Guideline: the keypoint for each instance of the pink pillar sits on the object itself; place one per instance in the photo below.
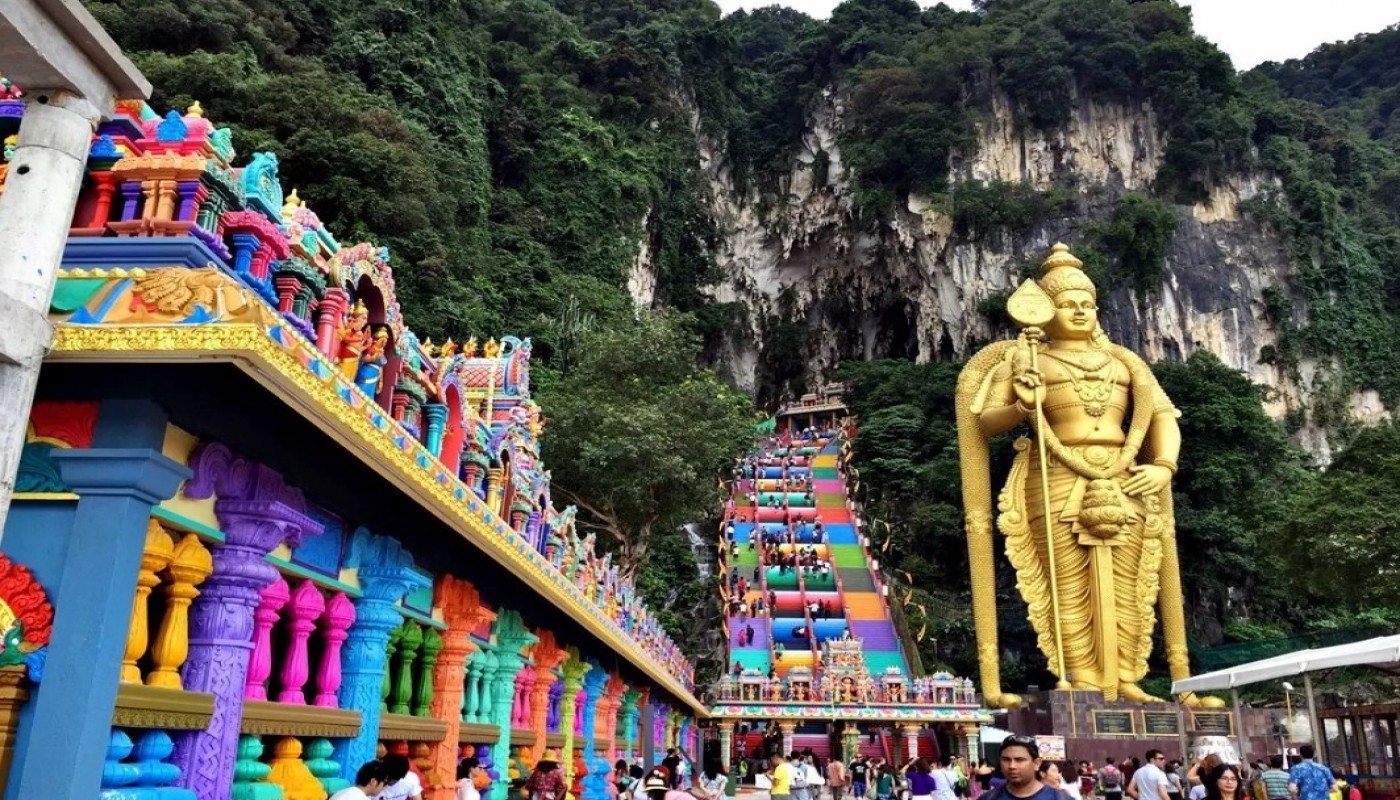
(287, 288)
(580, 700)
(272, 598)
(328, 321)
(339, 616)
(520, 704)
(307, 604)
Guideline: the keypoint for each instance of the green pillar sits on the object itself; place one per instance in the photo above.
(627, 723)
(510, 637)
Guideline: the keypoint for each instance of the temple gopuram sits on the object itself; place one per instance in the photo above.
(263, 532)
(816, 659)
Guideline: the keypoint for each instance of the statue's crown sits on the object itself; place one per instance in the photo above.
(1062, 271)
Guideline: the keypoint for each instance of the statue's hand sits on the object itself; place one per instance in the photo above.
(1147, 479)
(1029, 387)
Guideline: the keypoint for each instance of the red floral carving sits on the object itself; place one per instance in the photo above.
(27, 599)
(69, 422)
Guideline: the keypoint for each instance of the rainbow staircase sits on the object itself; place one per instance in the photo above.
(848, 589)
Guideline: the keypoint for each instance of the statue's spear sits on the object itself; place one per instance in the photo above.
(1032, 309)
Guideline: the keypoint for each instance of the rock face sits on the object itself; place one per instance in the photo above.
(913, 287)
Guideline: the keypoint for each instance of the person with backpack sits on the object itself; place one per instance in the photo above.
(801, 788)
(1110, 783)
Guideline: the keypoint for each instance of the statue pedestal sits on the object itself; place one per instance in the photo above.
(1095, 729)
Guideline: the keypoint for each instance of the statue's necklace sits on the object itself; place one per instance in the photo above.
(1095, 385)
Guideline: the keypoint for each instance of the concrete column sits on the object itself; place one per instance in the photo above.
(972, 741)
(788, 728)
(36, 210)
(911, 739)
(648, 732)
(726, 744)
(90, 572)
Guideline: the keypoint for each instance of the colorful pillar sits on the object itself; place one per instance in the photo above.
(608, 707)
(850, 742)
(548, 655)
(574, 670)
(463, 612)
(386, 574)
(594, 687)
(627, 724)
(435, 415)
(89, 568)
(511, 637)
(479, 668)
(256, 512)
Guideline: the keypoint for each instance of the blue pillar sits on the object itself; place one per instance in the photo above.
(595, 784)
(63, 740)
(435, 417)
(386, 575)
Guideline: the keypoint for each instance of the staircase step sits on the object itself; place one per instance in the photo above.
(848, 555)
(856, 580)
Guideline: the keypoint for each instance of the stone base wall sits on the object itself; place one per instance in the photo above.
(1095, 729)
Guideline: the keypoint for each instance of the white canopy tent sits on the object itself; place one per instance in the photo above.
(1380, 651)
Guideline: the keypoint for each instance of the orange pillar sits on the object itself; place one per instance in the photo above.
(548, 656)
(463, 612)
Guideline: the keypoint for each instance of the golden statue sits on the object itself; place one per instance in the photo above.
(1093, 573)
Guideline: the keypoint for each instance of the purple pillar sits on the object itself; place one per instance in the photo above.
(556, 691)
(257, 512)
(131, 200)
(189, 195)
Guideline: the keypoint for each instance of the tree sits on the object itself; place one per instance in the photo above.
(1341, 542)
(639, 433)
(1238, 481)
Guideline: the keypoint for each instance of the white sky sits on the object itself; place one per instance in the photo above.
(1251, 31)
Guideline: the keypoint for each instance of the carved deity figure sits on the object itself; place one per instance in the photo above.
(354, 337)
(1093, 571)
(372, 362)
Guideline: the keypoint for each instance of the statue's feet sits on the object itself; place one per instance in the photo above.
(1193, 700)
(1003, 701)
(1134, 693)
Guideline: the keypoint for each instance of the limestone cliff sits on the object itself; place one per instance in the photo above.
(913, 287)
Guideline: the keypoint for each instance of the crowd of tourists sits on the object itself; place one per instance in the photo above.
(1024, 775)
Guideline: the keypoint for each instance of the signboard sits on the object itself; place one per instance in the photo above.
(1214, 723)
(1113, 723)
(1160, 723)
(1052, 747)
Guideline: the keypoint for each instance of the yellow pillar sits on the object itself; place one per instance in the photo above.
(292, 774)
(574, 669)
(495, 491)
(158, 552)
(188, 569)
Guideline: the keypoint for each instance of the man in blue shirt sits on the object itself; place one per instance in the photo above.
(1309, 780)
